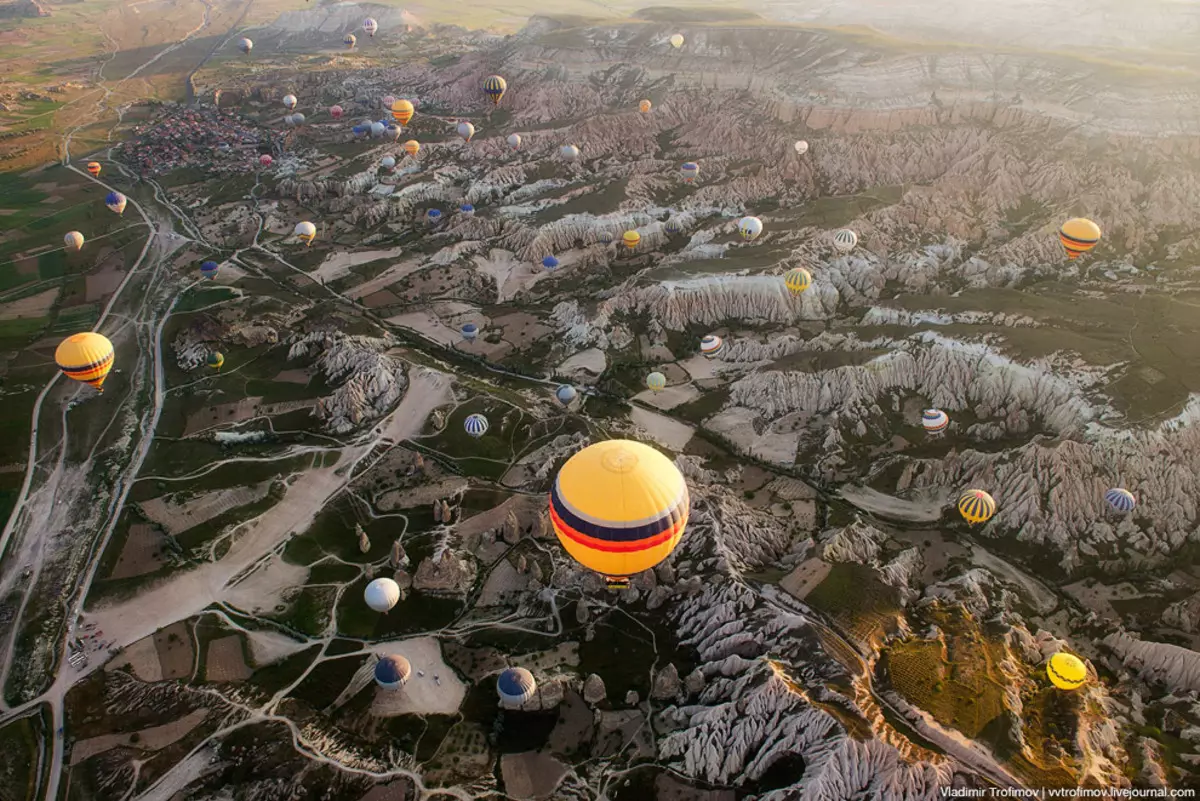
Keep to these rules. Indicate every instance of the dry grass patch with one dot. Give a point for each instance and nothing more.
(141, 554)
(38, 305)
(226, 661)
(175, 652)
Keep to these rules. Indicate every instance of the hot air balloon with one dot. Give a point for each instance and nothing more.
(801, 147)
(644, 106)
(619, 507)
(466, 209)
(93, 169)
(711, 345)
(514, 141)
(845, 240)
(209, 269)
(749, 228)
(515, 686)
(388, 162)
(433, 216)
(676, 41)
(116, 202)
(387, 101)
(565, 394)
(470, 331)
(382, 594)
(359, 130)
(476, 425)
(690, 171)
(631, 239)
(393, 132)
(306, 232)
(265, 160)
(935, 420)
(605, 237)
(377, 129)
(289, 120)
(1066, 671)
(656, 381)
(976, 506)
(392, 672)
(349, 41)
(674, 227)
(549, 262)
(336, 112)
(297, 118)
(412, 147)
(466, 130)
(73, 240)
(370, 26)
(86, 357)
(1078, 236)
(494, 87)
(569, 152)
(1120, 500)
(216, 359)
(403, 111)
(289, 102)
(797, 280)
(245, 45)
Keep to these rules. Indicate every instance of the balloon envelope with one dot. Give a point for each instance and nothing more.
(336, 112)
(382, 594)
(377, 129)
(644, 106)
(265, 160)
(690, 170)
(289, 101)
(934, 420)
(749, 228)
(494, 87)
(73, 240)
(403, 111)
(209, 269)
(1078, 236)
(677, 41)
(306, 231)
(245, 45)
(514, 141)
(1120, 500)
(466, 130)
(1066, 671)
(619, 507)
(845, 240)
(565, 394)
(797, 280)
(515, 686)
(349, 40)
(801, 147)
(549, 262)
(116, 201)
(370, 26)
(656, 381)
(216, 359)
(412, 147)
(93, 168)
(86, 357)
(569, 152)
(470, 331)
(388, 162)
(976, 506)
(711, 345)
(476, 425)
(631, 239)
(392, 671)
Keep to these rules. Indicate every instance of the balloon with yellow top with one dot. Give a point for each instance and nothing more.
(86, 357)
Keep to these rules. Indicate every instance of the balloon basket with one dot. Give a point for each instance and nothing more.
(616, 582)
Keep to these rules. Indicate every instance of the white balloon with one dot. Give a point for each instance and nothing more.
(382, 594)
(801, 147)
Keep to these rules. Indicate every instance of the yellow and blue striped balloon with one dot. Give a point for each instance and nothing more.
(976, 506)
(86, 357)
(619, 507)
(494, 87)
(797, 280)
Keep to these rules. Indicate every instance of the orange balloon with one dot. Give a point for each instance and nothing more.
(403, 111)
(644, 107)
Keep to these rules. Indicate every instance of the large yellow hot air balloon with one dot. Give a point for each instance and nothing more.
(403, 111)
(619, 507)
(976, 506)
(631, 239)
(412, 147)
(1066, 671)
(85, 357)
(1078, 236)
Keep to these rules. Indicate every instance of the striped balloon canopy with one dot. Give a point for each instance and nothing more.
(1078, 236)
(209, 269)
(689, 171)
(515, 686)
(631, 239)
(935, 420)
(674, 226)
(1066, 671)
(403, 111)
(476, 425)
(1120, 500)
(86, 357)
(605, 237)
(619, 507)
(797, 280)
(470, 331)
(976, 506)
(711, 345)
(93, 168)
(656, 381)
(494, 87)
(216, 360)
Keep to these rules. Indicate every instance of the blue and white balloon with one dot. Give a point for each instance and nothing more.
(476, 425)
(1120, 500)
